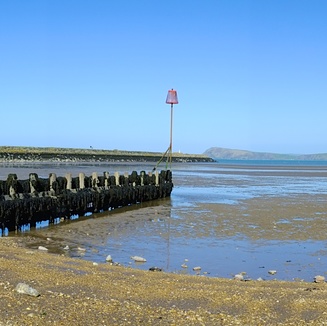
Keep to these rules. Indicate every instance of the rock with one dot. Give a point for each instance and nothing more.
(184, 265)
(238, 277)
(81, 249)
(197, 268)
(26, 289)
(319, 279)
(272, 272)
(138, 259)
(155, 269)
(43, 248)
(109, 259)
(66, 248)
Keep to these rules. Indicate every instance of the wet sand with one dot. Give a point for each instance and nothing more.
(297, 219)
(76, 292)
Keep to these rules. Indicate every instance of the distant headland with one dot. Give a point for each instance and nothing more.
(238, 154)
(54, 154)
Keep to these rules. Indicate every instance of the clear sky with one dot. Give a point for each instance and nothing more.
(250, 74)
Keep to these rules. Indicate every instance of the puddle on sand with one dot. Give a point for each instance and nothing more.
(214, 236)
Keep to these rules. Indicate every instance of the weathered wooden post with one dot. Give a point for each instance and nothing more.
(33, 177)
(106, 179)
(12, 185)
(117, 178)
(81, 178)
(126, 176)
(95, 180)
(150, 177)
(52, 180)
(68, 177)
(142, 177)
(157, 178)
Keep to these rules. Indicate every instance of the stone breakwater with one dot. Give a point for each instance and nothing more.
(26, 154)
(27, 202)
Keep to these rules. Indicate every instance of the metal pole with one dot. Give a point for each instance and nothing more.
(171, 134)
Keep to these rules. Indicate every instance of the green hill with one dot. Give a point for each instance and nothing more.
(238, 154)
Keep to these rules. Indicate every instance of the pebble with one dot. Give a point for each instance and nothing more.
(272, 272)
(138, 259)
(155, 269)
(319, 279)
(81, 249)
(43, 248)
(184, 265)
(66, 248)
(109, 259)
(197, 268)
(26, 289)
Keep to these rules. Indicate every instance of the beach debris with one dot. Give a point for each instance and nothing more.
(43, 248)
(184, 265)
(272, 272)
(138, 259)
(26, 289)
(109, 259)
(197, 268)
(155, 269)
(319, 279)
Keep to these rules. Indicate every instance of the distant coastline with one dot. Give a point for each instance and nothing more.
(54, 154)
(219, 153)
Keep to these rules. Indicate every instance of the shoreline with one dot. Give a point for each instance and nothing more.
(77, 292)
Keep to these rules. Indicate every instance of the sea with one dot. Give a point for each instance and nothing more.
(262, 219)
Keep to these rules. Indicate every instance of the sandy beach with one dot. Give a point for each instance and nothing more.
(77, 292)
(74, 291)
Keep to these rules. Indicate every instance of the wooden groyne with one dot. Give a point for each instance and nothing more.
(27, 202)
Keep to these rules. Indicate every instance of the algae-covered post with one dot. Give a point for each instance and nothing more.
(27, 202)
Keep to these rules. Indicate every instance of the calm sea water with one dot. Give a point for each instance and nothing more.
(226, 217)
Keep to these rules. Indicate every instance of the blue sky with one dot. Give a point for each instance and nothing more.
(250, 74)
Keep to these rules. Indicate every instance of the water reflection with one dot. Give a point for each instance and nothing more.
(225, 220)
